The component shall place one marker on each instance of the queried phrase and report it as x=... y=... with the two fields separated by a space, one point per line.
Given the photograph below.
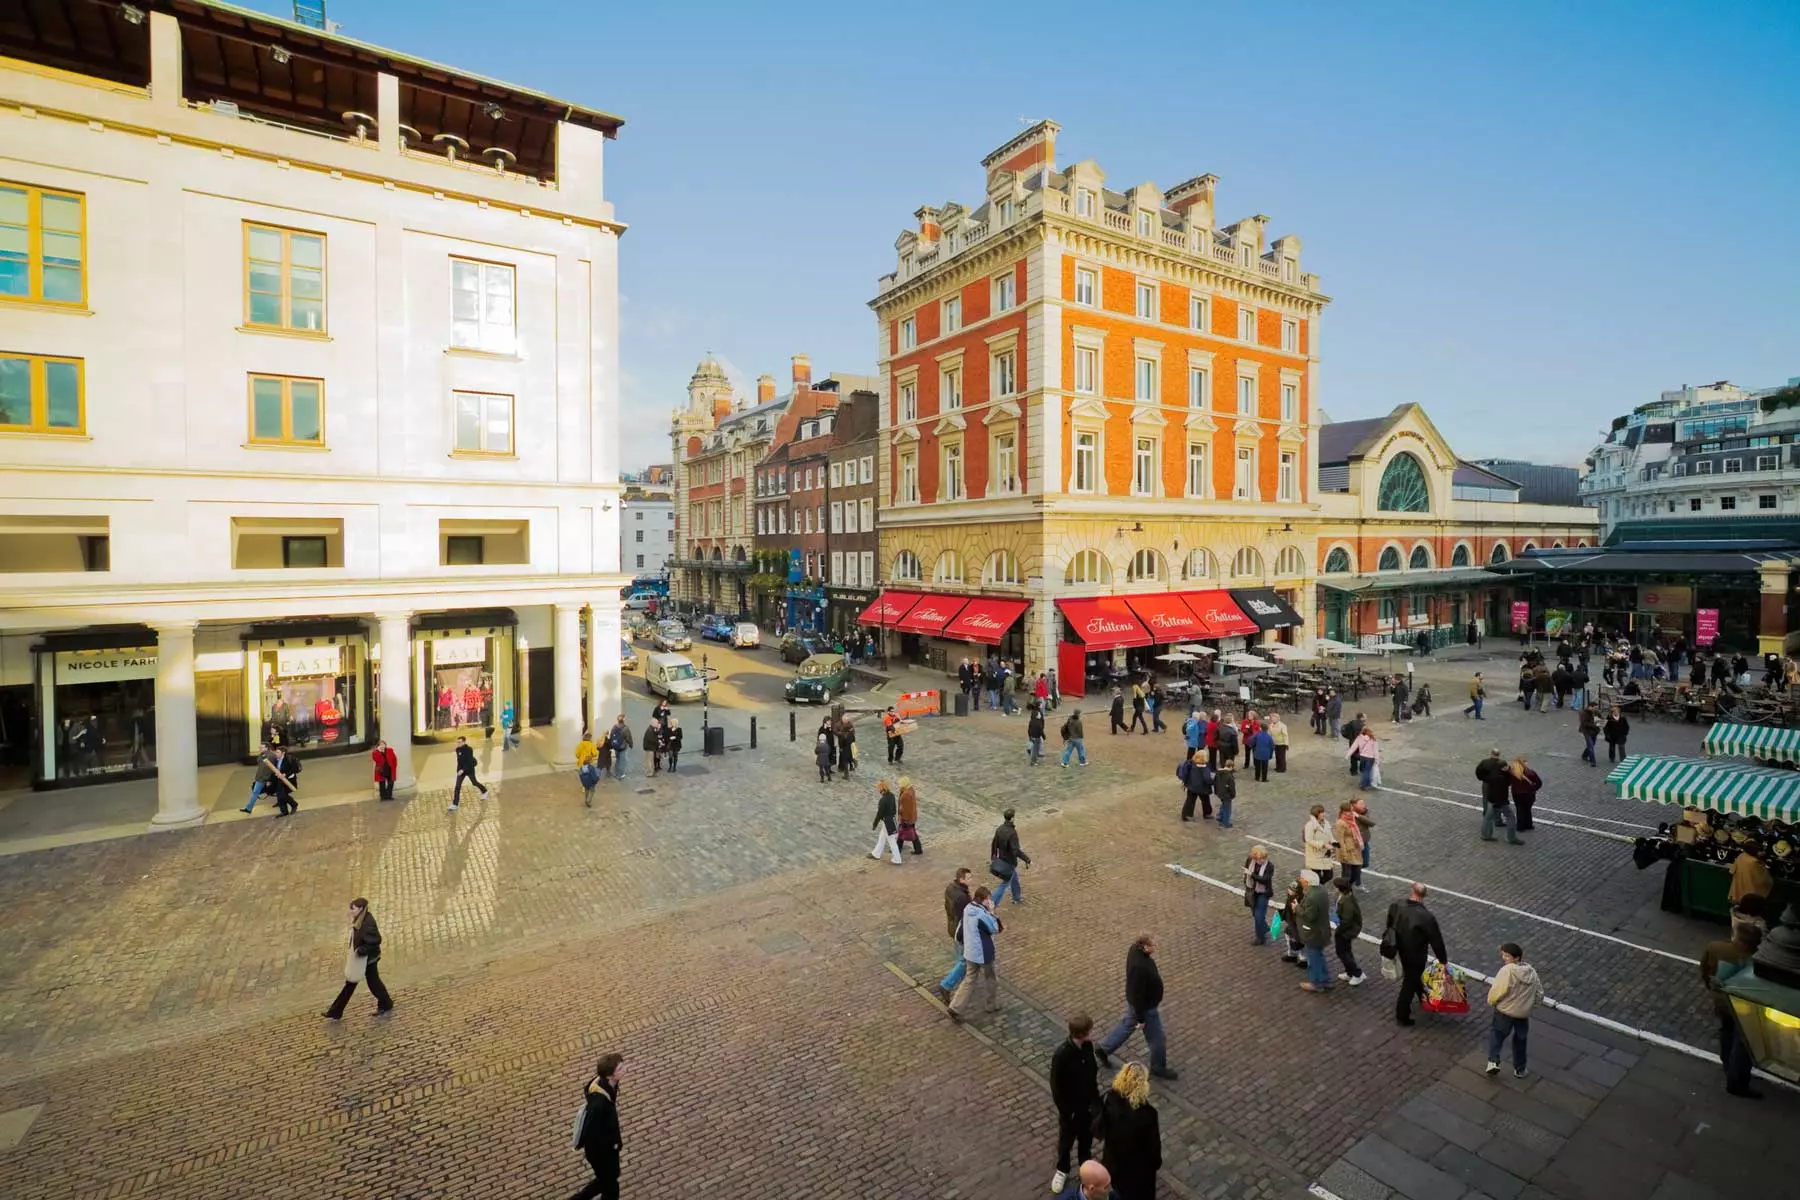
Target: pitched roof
x=1341 y=439
x=1540 y=484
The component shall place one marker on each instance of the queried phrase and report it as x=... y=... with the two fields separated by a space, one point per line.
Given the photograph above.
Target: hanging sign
x=300 y=661
x=449 y=652
x=1706 y=626
x=1665 y=599
x=1521 y=616
x=101 y=666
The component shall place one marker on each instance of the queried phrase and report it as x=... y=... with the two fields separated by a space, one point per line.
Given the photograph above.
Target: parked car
x=819 y=679
x=628 y=659
x=746 y=635
x=798 y=646
x=672 y=635
x=717 y=629
x=642 y=601
x=674 y=676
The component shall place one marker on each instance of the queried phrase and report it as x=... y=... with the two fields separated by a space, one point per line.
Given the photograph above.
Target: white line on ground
x=1536 y=820
x=1519 y=912
x=1438 y=787
x=1642 y=1035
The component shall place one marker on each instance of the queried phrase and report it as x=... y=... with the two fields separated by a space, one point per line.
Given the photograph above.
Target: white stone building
x=646 y=535
x=308 y=398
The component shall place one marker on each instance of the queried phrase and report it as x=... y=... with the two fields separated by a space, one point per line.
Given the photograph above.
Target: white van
x=672 y=675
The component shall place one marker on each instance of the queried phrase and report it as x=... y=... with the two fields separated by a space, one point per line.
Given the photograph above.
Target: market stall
x=1731 y=808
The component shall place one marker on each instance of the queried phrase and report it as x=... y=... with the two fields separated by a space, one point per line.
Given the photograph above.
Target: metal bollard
x=753 y=732
x=792 y=735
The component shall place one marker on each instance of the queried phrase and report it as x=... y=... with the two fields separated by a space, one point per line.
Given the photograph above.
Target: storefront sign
x=101 y=666
x=301 y=661
x=1521 y=616
x=1666 y=599
x=447 y=652
x=1706 y=626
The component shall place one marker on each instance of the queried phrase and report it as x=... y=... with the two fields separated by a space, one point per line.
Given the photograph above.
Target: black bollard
x=792 y=735
x=753 y=732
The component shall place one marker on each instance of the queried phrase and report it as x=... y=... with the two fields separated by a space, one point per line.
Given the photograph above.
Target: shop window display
x=309 y=695
x=462 y=683
x=101 y=717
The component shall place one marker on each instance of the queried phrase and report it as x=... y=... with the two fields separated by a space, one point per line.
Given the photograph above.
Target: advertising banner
x=1661 y=598
x=101 y=666
x=1556 y=622
x=1521 y=616
x=1706 y=626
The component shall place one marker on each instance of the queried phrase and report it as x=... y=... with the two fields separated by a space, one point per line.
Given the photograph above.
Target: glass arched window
x=1459 y=557
x=1499 y=554
x=906 y=566
x=1420 y=559
x=1528 y=547
x=1199 y=565
x=949 y=568
x=1403 y=487
x=1002 y=567
x=1389 y=560
x=1146 y=565
x=1289 y=563
x=1557 y=545
x=1089 y=566
x=1338 y=562
x=1246 y=564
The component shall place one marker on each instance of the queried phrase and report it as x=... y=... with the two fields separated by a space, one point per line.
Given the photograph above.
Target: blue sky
x=1530 y=217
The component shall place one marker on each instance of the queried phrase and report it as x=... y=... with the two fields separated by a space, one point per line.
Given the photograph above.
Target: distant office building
x=646 y=534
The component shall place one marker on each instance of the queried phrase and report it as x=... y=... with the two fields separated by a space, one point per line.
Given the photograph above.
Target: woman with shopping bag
x=365 y=950
x=1366 y=751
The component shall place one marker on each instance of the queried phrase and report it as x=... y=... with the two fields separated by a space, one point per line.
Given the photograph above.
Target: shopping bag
x=1375 y=776
x=356 y=968
x=580 y=1122
x=1390 y=969
x=1446 y=991
x=1275 y=926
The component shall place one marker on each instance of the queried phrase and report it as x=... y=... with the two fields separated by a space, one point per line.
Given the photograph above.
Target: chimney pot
x=802 y=370
x=765 y=388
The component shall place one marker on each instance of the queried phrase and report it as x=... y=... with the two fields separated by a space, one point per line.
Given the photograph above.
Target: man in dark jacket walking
x=1005 y=849
x=1143 y=1000
x=1412 y=931
x=1072 y=1086
x=956 y=898
x=1196 y=780
x=1117 y=712
x=1496 y=796
x=465 y=769
x=284 y=781
x=600 y=1140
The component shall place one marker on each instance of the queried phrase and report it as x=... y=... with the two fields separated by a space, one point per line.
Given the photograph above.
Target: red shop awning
x=889 y=608
x=1105 y=623
x=1219 y=613
x=931 y=614
x=1167 y=618
x=985 y=620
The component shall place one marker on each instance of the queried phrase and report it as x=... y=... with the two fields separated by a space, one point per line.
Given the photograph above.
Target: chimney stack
x=802 y=371
x=930 y=228
x=721 y=406
x=1035 y=149
x=765 y=388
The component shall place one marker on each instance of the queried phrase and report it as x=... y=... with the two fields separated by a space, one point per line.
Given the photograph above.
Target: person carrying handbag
x=1004 y=857
x=597 y=1133
x=365 y=952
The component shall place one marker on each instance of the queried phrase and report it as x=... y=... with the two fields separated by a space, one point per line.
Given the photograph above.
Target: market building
x=1098 y=422
x=381 y=485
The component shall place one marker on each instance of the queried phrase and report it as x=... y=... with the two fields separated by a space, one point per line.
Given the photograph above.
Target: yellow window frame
x=285 y=266
x=512 y=425
x=287 y=383
x=40 y=395
x=34 y=244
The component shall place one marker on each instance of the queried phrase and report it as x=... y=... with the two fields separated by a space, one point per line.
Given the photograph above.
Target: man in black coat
x=1350 y=729
x=1143 y=999
x=1496 y=795
x=1077 y=1095
x=465 y=769
x=1414 y=931
x=1118 y=712
x=600 y=1140
x=284 y=781
x=1005 y=848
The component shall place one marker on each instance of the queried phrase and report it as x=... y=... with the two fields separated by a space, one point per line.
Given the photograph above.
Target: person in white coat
x=1316 y=837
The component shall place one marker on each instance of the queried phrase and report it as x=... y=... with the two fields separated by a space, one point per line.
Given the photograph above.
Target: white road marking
x=1605 y=937
x=1536 y=820
x=1438 y=787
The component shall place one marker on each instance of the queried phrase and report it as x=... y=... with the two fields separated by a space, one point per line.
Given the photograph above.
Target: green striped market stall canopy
x=1771 y=793
x=1754 y=741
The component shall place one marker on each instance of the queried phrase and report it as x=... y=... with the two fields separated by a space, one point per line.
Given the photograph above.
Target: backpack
x=1065 y=731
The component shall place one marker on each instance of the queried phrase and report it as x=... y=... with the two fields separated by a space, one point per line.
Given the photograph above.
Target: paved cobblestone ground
x=727 y=929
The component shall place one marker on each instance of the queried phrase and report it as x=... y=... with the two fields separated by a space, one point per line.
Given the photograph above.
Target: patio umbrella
x=1333 y=646
x=1390 y=646
x=1193 y=648
x=1288 y=653
x=1246 y=662
x=1177 y=658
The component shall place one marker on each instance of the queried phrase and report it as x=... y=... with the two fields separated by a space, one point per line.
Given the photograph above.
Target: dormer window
x=1143 y=224
x=1084 y=202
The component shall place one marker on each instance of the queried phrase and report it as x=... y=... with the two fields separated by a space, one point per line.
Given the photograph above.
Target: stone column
x=177 y=741
x=1772 y=608
x=567 y=633
x=396 y=696
x=605 y=688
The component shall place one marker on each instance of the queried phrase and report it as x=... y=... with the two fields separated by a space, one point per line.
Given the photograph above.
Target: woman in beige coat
x=1316 y=837
x=1349 y=842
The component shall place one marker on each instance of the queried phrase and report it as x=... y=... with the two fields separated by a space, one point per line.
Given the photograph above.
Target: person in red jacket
x=1248 y=728
x=387 y=764
x=1212 y=741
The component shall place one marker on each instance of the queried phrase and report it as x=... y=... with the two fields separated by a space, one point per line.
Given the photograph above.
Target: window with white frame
x=906 y=566
x=909 y=402
x=1145 y=225
x=760 y=523
x=781 y=519
x=1146 y=567
x=1086 y=477
x=1734 y=466
x=1290 y=335
x=1197 y=479
x=1146 y=381
x=1006 y=212
x=1245 y=488
x=1002 y=568
x=950 y=387
x=1084 y=202
x=1199 y=565
x=819 y=522
x=837 y=567
x=1143 y=467
x=807 y=515
x=1087 y=370
x=868 y=468
x=868 y=567
x=1246 y=323
x=953 y=314
x=1088 y=566
x=953 y=472
x=949 y=568
x=1006 y=367
x=1390 y=610
x=1290 y=403
x=909 y=334
x=1246 y=564
x=1199 y=313
x=837 y=476
x=1290 y=476
x=1199 y=391
x=909 y=477
x=867 y=505
x=1087 y=286
x=1767 y=462
x=1246 y=396
x=1006 y=462
x=850 y=517
x=481 y=298
x=1703 y=467
x=837 y=516
x=1289 y=563
x=1146 y=301
x=850 y=573
x=1004 y=296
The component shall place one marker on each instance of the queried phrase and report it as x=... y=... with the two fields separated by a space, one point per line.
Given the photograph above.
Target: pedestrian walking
x=1004 y=857
x=1349 y=928
x=846 y=745
x=1587 y=724
x=1073 y=742
x=1117 y=713
x=1365 y=826
x=1527 y=684
x=1524 y=784
x=265 y=771
x=1401 y=693
x=1347 y=840
x=620 y=739
x=1351 y=730
x=465 y=772
x=1292 y=950
x=1334 y=710
x=1315 y=838
x=1132 y=1137
x=1075 y=1090
x=1496 y=797
x=1143 y=1008
x=956 y=898
x=896 y=741
x=1515 y=991
x=1412 y=932
x=672 y=743
x=587 y=768
x=886 y=810
x=909 y=816
x=1477 y=697
x=1718 y=962
x=1315 y=931
x=1224 y=786
x=1034 y=733
x=597 y=1133
x=1616 y=729
x=1278 y=735
x=1158 y=701
x=1009 y=690
x=1139 y=699
x=360 y=967
x=1367 y=752
x=284 y=781
x=387 y=766
x=822 y=754
x=979 y=925
x=1259 y=889
x=1196 y=783
x=1261 y=749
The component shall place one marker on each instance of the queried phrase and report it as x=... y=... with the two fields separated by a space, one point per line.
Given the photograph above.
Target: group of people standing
x=1003 y=682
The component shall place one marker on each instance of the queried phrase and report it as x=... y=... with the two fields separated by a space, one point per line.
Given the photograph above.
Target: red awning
x=1219 y=614
x=889 y=608
x=1167 y=618
x=931 y=614
x=1104 y=623
x=986 y=620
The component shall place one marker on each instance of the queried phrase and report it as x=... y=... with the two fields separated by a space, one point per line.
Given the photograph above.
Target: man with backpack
x=620 y=741
x=1072 y=737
